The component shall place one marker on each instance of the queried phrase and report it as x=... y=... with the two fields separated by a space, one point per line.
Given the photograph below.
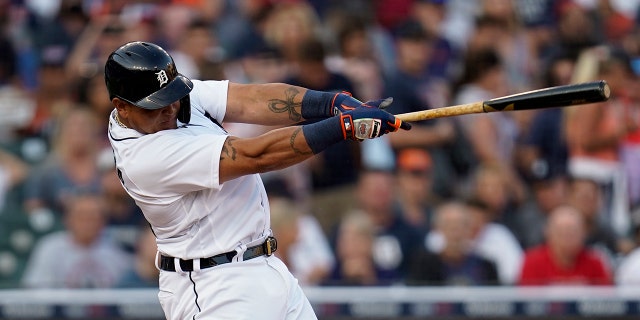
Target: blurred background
x=531 y=213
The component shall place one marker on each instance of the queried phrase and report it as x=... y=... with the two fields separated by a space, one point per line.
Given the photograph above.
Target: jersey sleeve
x=210 y=97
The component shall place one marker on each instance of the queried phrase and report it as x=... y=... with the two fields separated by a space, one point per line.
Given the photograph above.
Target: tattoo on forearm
x=292 y=141
x=287 y=105
x=228 y=150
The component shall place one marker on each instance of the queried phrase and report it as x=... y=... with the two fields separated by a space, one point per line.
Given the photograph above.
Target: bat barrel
x=561 y=96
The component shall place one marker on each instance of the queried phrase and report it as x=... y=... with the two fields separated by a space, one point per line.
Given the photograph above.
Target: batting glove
x=343 y=102
x=369 y=122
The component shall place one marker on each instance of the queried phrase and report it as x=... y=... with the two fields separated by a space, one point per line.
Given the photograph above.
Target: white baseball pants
x=260 y=288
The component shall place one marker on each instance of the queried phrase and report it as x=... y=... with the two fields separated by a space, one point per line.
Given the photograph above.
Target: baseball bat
x=560 y=96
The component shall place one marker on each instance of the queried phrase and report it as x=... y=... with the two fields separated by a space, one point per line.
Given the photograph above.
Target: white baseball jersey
x=173 y=177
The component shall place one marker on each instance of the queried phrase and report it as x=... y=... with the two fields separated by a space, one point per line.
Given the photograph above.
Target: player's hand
x=343 y=102
x=369 y=122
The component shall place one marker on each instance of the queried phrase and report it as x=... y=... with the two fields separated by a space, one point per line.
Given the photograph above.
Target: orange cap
x=414 y=159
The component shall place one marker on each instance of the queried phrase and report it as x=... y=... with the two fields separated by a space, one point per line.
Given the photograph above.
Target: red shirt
x=539 y=268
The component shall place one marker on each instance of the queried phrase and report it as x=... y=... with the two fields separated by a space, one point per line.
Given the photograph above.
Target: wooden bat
x=560 y=96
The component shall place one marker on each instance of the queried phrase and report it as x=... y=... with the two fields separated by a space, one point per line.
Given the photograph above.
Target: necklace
x=115 y=117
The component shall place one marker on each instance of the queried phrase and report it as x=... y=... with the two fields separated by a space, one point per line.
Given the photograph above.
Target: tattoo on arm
x=228 y=150
x=292 y=141
x=287 y=105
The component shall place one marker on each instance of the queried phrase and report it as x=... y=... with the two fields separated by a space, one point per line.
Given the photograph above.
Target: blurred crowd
x=513 y=198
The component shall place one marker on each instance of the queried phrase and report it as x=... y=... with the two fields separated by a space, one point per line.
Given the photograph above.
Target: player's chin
x=167 y=125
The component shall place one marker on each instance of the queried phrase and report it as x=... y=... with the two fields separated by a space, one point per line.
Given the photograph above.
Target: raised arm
x=265 y=104
x=283 y=104
x=284 y=147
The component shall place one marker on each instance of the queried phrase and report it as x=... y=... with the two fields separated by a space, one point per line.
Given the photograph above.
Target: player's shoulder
x=202 y=86
x=209 y=97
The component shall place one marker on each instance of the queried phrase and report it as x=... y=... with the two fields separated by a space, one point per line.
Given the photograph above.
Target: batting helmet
x=145 y=75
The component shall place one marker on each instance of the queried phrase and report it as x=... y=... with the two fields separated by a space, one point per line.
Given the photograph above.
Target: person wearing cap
x=415 y=197
x=452 y=263
x=413 y=90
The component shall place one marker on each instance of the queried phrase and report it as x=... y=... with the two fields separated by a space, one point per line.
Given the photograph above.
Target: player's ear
x=120 y=104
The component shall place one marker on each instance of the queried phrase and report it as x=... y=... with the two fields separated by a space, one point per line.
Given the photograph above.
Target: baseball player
x=200 y=188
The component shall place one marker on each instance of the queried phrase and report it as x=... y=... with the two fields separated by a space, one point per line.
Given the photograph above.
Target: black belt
x=266 y=248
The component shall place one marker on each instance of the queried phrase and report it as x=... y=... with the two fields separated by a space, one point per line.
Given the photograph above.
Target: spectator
x=492 y=136
x=575 y=28
x=100 y=37
x=71 y=167
x=453 y=264
x=412 y=90
x=52 y=96
x=548 y=190
x=491 y=185
x=586 y=196
x=241 y=25
x=92 y=94
x=354 y=249
x=356 y=58
x=395 y=241
x=289 y=24
x=504 y=32
x=487 y=29
x=596 y=132
x=444 y=57
x=413 y=46
x=144 y=273
x=79 y=256
x=301 y=244
x=196 y=54
x=260 y=62
x=564 y=259
x=414 y=195
x=55 y=25
x=494 y=242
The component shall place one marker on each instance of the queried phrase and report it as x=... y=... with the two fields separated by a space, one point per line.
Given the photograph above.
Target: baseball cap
x=414 y=159
x=53 y=55
x=439 y=2
x=410 y=30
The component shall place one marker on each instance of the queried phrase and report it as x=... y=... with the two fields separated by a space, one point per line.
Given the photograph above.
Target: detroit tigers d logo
x=162 y=77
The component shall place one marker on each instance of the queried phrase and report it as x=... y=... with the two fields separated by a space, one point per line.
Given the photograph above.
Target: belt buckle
x=270 y=246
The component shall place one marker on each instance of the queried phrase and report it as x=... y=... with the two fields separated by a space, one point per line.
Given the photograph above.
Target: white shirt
x=58 y=262
x=173 y=175
x=628 y=273
x=311 y=251
x=497 y=244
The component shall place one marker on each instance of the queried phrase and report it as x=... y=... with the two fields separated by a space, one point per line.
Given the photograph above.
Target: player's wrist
x=322 y=134
x=317 y=104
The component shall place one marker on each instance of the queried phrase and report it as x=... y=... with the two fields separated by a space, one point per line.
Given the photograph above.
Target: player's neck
x=117 y=118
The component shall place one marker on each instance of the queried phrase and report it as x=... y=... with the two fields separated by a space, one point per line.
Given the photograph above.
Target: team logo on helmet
x=162 y=77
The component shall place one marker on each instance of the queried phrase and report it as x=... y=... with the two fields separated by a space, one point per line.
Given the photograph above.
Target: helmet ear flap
x=184 y=114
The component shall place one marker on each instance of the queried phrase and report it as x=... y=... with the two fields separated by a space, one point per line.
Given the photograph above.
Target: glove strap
x=347 y=126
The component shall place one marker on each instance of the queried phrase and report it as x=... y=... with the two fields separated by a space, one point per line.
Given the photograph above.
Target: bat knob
x=605 y=89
